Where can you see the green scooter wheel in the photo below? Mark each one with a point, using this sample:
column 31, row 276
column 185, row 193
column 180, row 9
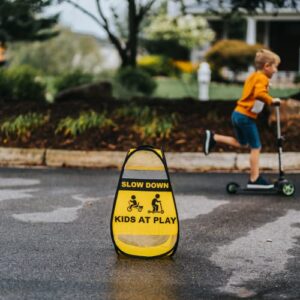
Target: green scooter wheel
column 232, row 188
column 288, row 189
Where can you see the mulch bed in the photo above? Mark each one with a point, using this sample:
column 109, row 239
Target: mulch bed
column 194, row 118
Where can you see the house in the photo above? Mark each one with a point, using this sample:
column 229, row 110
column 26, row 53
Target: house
column 278, row 29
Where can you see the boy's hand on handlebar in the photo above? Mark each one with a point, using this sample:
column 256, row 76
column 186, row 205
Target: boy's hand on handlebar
column 276, row 101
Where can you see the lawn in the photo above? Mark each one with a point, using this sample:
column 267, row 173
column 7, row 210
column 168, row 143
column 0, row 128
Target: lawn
column 176, row 88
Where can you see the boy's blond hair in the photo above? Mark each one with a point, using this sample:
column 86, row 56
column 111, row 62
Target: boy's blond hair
column 264, row 56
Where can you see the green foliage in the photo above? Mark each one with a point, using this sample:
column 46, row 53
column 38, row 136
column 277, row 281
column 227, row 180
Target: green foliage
column 21, row 84
column 5, row 86
column 234, row 54
column 138, row 113
column 136, row 79
column 297, row 78
column 72, row 79
column 23, row 125
column 68, row 51
column 157, row 65
column 148, row 122
column 22, row 20
column 159, row 126
column 168, row 48
column 86, row 120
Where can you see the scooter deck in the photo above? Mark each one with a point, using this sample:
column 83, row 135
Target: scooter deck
column 245, row 190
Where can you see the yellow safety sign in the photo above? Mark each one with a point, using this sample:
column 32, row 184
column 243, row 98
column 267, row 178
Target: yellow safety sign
column 144, row 219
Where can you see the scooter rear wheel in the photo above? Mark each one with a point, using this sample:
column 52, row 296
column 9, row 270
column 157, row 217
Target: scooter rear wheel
column 288, row 189
column 232, row 188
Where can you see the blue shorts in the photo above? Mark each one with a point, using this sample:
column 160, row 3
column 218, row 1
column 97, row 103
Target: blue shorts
column 246, row 130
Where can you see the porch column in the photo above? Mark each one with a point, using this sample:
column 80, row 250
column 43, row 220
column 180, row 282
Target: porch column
column 267, row 34
column 251, row 31
column 225, row 31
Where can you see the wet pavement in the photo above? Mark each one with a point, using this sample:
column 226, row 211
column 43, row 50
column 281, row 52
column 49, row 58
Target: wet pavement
column 56, row 244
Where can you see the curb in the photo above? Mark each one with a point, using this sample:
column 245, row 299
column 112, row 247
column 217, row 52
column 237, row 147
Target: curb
column 186, row 161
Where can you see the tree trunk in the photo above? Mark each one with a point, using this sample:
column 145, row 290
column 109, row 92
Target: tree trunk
column 132, row 43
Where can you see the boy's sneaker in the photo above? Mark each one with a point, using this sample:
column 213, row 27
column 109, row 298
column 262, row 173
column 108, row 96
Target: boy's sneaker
column 209, row 142
column 260, row 183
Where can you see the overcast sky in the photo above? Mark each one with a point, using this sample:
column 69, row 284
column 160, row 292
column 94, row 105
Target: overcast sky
column 76, row 20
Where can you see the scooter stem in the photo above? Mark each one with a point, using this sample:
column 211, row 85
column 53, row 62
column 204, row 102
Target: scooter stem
column 279, row 141
column 277, row 108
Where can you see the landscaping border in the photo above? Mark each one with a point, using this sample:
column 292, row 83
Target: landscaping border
column 187, row 161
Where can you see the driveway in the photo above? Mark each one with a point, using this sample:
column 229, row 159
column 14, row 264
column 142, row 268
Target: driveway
column 55, row 240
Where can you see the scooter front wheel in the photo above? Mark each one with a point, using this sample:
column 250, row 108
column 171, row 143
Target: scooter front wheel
column 288, row 189
column 232, row 188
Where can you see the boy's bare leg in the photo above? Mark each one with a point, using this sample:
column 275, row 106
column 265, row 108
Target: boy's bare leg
column 228, row 140
column 254, row 164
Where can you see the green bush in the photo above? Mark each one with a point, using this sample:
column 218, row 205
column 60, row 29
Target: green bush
column 157, row 65
column 297, row 78
column 22, row 126
column 5, row 86
column 158, row 126
column 21, row 84
column 235, row 54
column 137, row 80
column 72, row 79
column 148, row 122
column 168, row 48
column 86, row 121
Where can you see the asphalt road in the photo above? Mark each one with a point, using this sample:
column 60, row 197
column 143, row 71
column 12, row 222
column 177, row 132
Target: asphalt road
column 55, row 240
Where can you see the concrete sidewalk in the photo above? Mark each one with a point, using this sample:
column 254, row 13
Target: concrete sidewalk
column 187, row 161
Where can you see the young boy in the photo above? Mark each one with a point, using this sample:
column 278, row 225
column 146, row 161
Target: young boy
column 255, row 95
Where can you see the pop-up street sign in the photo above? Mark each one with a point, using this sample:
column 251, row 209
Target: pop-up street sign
column 144, row 220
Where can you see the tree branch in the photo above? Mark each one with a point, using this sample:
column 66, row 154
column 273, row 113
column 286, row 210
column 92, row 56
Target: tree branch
column 86, row 12
column 144, row 10
column 100, row 11
column 111, row 36
column 118, row 23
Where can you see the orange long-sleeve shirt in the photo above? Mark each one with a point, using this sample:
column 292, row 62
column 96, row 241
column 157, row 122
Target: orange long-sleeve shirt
column 255, row 88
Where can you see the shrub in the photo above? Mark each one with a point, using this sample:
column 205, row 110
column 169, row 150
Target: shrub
column 169, row 48
column 148, row 122
column 137, row 80
column 157, row 65
column 297, row 78
column 21, row 84
column 234, row 54
column 185, row 66
column 140, row 114
column 157, row 126
column 86, row 121
column 5, row 86
column 72, row 79
column 23, row 125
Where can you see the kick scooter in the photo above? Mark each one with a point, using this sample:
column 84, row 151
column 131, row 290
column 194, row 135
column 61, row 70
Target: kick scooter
column 281, row 185
column 158, row 211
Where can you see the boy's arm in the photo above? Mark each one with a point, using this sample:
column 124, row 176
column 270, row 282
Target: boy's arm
column 261, row 91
